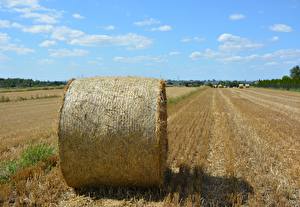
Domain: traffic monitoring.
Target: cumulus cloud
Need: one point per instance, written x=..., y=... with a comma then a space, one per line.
x=38, y=29
x=236, y=43
x=196, y=55
x=7, y=46
x=47, y=43
x=77, y=16
x=4, y=37
x=63, y=33
x=34, y=4
x=9, y=24
x=283, y=55
x=67, y=53
x=235, y=17
x=130, y=41
x=50, y=18
x=146, y=22
x=163, y=28
x=78, y=37
x=31, y=9
x=208, y=53
x=281, y=28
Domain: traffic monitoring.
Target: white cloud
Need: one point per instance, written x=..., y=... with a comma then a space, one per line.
x=208, y=53
x=196, y=55
x=4, y=37
x=78, y=37
x=274, y=39
x=174, y=53
x=51, y=18
x=34, y=4
x=65, y=33
x=236, y=43
x=77, y=16
x=7, y=46
x=139, y=59
x=163, y=28
x=67, y=53
x=47, y=43
x=146, y=22
x=130, y=41
x=31, y=9
x=38, y=29
x=281, y=28
x=284, y=55
x=235, y=17
x=109, y=27
x=4, y=24
x=8, y=24
x=192, y=39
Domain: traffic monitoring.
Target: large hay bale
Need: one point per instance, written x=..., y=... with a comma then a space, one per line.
x=113, y=131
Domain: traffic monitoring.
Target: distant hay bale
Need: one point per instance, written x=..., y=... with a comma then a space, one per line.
x=113, y=131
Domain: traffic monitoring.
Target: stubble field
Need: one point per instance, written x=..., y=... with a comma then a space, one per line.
x=227, y=147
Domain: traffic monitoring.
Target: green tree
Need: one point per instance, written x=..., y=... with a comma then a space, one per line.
x=286, y=78
x=295, y=72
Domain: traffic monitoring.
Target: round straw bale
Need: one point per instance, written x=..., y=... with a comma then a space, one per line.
x=113, y=131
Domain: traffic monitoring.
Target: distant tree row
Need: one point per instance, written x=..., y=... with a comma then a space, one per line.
x=195, y=83
x=24, y=83
x=187, y=83
x=286, y=82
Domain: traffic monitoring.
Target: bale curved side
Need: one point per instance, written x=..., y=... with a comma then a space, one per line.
x=113, y=131
x=161, y=129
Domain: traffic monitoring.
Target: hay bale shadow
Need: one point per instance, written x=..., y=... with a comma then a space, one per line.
x=191, y=182
x=186, y=183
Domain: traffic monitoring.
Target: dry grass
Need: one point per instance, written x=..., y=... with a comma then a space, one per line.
x=174, y=92
x=227, y=148
x=35, y=94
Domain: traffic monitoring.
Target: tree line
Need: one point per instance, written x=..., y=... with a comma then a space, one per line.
x=25, y=83
x=286, y=82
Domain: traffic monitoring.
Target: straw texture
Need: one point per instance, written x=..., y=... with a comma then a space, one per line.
x=113, y=131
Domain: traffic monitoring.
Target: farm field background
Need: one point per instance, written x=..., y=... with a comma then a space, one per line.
x=226, y=147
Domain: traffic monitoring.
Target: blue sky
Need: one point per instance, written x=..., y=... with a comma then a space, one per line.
x=230, y=39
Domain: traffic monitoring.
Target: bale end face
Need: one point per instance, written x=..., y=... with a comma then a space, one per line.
x=113, y=131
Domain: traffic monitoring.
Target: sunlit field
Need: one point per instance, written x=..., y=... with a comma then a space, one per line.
x=226, y=147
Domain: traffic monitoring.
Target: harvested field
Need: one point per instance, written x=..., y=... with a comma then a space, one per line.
x=227, y=147
x=35, y=94
x=174, y=92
